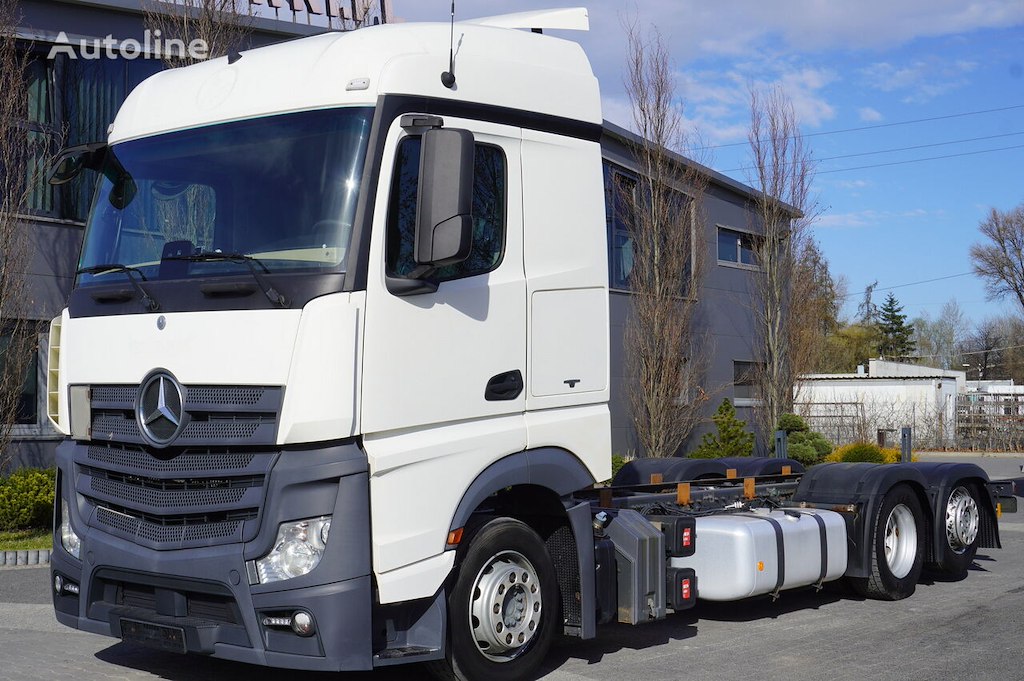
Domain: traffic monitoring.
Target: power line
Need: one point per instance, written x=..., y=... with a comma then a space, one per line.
x=920, y=160
x=912, y=283
x=880, y=125
x=969, y=352
x=895, y=149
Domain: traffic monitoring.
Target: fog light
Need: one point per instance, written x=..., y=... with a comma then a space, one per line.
x=64, y=586
x=302, y=623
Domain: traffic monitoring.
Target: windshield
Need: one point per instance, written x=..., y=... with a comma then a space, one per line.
x=280, y=191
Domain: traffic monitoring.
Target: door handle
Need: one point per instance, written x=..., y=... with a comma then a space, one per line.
x=507, y=385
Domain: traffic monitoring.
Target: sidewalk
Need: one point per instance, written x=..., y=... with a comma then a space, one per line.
x=10, y=559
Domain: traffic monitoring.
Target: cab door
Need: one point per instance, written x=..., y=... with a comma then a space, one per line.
x=443, y=371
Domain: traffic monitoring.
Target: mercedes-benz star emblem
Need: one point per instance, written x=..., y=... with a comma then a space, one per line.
x=158, y=409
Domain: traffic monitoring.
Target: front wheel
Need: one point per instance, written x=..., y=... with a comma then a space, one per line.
x=897, y=548
x=503, y=611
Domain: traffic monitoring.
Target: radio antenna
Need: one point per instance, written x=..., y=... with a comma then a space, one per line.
x=448, y=77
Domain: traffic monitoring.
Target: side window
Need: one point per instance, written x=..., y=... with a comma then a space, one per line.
x=489, y=189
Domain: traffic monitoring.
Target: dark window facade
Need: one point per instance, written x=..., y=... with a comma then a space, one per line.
x=26, y=409
x=489, y=190
x=72, y=102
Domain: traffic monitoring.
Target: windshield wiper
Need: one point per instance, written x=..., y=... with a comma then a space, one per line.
x=147, y=301
x=272, y=294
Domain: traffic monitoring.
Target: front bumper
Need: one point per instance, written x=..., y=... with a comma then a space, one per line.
x=203, y=592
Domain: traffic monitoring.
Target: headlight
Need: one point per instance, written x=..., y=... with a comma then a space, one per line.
x=297, y=550
x=68, y=539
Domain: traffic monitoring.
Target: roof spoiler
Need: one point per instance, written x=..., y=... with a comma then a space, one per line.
x=567, y=19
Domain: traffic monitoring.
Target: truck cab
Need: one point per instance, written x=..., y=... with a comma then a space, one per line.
x=330, y=308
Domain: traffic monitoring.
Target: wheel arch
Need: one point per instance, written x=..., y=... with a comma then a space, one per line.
x=533, y=486
x=865, y=485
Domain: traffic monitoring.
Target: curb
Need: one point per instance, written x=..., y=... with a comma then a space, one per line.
x=10, y=559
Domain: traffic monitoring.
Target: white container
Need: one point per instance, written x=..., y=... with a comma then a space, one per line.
x=737, y=556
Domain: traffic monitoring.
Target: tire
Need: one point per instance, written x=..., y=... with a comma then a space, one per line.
x=961, y=520
x=897, y=548
x=512, y=643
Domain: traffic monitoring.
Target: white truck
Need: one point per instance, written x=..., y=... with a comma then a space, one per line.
x=334, y=378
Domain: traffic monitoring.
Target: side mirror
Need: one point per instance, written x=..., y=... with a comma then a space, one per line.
x=70, y=162
x=444, y=224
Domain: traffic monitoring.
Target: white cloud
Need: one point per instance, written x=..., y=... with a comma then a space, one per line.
x=852, y=184
x=869, y=115
x=918, y=81
x=862, y=219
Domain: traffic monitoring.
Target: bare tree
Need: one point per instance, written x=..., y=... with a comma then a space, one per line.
x=815, y=302
x=782, y=172
x=940, y=341
x=23, y=156
x=665, y=350
x=1000, y=260
x=220, y=26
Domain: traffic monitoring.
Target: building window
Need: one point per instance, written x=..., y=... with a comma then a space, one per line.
x=489, y=184
x=623, y=191
x=744, y=381
x=736, y=247
x=620, y=195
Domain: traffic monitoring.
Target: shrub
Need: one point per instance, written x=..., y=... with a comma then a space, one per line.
x=803, y=444
x=887, y=455
x=732, y=438
x=817, y=441
x=858, y=452
x=26, y=499
x=792, y=423
x=804, y=453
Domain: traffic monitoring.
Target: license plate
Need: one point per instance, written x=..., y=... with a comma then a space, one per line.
x=171, y=639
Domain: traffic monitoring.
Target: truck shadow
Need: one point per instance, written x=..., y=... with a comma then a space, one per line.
x=161, y=665
x=683, y=626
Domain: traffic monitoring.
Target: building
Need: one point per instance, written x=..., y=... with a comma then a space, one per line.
x=75, y=92
x=725, y=293
x=990, y=416
x=874, y=405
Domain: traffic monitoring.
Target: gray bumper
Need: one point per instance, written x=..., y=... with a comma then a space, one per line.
x=204, y=591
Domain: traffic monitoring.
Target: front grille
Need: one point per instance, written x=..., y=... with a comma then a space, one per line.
x=147, y=496
x=207, y=487
x=177, y=499
x=189, y=461
x=224, y=415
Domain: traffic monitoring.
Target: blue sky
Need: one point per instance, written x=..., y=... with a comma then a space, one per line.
x=882, y=65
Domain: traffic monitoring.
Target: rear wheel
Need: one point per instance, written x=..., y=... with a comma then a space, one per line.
x=962, y=519
x=897, y=548
x=503, y=611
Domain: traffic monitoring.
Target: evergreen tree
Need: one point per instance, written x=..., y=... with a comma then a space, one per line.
x=733, y=439
x=897, y=340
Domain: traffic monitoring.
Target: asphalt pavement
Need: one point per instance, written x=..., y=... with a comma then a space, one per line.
x=969, y=629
